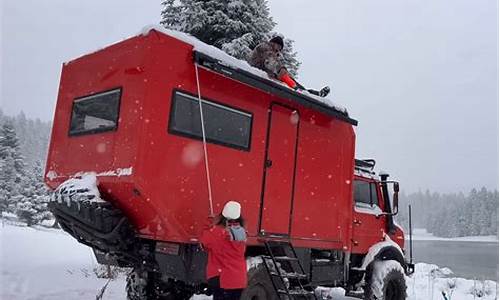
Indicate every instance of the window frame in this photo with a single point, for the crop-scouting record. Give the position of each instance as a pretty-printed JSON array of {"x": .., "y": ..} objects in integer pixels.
[
  {"x": 99, "y": 129},
  {"x": 372, "y": 185},
  {"x": 212, "y": 102}
]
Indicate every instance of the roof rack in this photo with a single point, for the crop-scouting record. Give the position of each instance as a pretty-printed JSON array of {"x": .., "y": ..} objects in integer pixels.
[
  {"x": 364, "y": 165},
  {"x": 269, "y": 86}
]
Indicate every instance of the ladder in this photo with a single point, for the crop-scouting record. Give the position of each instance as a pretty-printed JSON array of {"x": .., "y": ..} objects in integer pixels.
[{"x": 288, "y": 277}]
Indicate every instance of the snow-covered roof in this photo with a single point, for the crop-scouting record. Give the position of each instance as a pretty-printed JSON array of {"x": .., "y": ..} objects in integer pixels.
[
  {"x": 364, "y": 173},
  {"x": 230, "y": 61},
  {"x": 206, "y": 49}
]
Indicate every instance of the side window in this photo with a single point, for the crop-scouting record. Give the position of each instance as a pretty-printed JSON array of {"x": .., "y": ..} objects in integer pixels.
[
  {"x": 223, "y": 125},
  {"x": 362, "y": 192},
  {"x": 374, "y": 194},
  {"x": 95, "y": 113},
  {"x": 365, "y": 192}
]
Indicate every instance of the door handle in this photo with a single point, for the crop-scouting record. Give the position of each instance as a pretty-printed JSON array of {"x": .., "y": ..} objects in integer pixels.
[{"x": 269, "y": 163}]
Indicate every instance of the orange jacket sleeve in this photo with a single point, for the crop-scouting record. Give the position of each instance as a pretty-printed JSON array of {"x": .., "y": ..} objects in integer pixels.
[{"x": 288, "y": 80}]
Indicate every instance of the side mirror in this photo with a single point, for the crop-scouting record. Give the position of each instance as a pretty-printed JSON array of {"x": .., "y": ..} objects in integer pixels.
[{"x": 395, "y": 198}]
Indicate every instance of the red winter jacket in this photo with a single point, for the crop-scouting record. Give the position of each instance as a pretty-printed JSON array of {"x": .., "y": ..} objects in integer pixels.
[{"x": 226, "y": 258}]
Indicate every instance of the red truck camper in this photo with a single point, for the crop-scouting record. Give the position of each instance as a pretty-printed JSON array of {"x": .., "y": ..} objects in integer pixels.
[{"x": 133, "y": 180}]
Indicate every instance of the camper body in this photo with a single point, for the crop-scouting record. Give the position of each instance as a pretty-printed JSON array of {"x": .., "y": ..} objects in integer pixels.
[{"x": 130, "y": 115}]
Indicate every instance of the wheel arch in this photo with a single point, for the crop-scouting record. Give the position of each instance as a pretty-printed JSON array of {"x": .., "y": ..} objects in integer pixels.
[{"x": 386, "y": 250}]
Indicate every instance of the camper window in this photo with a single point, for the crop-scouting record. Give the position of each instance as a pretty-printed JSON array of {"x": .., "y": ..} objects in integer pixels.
[
  {"x": 95, "y": 113},
  {"x": 223, "y": 125}
]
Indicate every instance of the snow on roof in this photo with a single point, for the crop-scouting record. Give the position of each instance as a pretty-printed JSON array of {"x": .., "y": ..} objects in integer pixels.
[
  {"x": 364, "y": 173},
  {"x": 229, "y": 60}
]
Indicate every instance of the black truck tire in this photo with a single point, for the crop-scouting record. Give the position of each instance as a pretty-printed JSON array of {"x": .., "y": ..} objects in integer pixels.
[
  {"x": 144, "y": 285},
  {"x": 259, "y": 285},
  {"x": 96, "y": 223},
  {"x": 138, "y": 286},
  {"x": 385, "y": 280}
]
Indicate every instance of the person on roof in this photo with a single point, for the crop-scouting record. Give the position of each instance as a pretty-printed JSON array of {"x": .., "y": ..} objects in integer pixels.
[
  {"x": 225, "y": 242},
  {"x": 268, "y": 57}
]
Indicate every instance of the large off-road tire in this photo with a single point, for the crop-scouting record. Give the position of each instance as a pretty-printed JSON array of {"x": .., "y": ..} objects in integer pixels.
[
  {"x": 385, "y": 280},
  {"x": 138, "y": 287},
  {"x": 143, "y": 285},
  {"x": 259, "y": 285},
  {"x": 93, "y": 222}
]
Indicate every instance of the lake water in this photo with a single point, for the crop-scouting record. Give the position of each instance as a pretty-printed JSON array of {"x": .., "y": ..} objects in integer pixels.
[{"x": 473, "y": 260}]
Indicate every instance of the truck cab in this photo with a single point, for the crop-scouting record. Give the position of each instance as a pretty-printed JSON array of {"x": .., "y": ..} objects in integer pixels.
[{"x": 373, "y": 208}]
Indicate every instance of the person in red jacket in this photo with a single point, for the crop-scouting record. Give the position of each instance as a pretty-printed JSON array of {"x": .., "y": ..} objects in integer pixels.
[{"x": 225, "y": 243}]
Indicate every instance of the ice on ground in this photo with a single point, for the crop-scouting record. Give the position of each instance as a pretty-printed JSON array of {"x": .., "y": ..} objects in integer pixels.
[{"x": 48, "y": 264}]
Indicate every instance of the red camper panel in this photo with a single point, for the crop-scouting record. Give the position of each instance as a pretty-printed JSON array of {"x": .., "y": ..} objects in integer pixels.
[
  {"x": 164, "y": 190},
  {"x": 322, "y": 205},
  {"x": 98, "y": 117}
]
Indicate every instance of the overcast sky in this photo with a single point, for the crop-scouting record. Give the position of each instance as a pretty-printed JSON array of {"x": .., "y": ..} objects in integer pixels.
[{"x": 420, "y": 76}]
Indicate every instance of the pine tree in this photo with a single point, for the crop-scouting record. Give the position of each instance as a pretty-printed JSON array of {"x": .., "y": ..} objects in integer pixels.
[
  {"x": 482, "y": 213},
  {"x": 32, "y": 208},
  {"x": 33, "y": 137},
  {"x": 4, "y": 191},
  {"x": 493, "y": 199},
  {"x": 455, "y": 215},
  {"x": 9, "y": 183},
  {"x": 235, "y": 26},
  {"x": 9, "y": 146},
  {"x": 12, "y": 168}
]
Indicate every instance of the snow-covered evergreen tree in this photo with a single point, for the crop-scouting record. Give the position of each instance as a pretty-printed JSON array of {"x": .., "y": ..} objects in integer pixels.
[
  {"x": 31, "y": 207},
  {"x": 453, "y": 215},
  {"x": 22, "y": 190},
  {"x": 9, "y": 147},
  {"x": 9, "y": 184},
  {"x": 235, "y": 26},
  {"x": 12, "y": 168},
  {"x": 33, "y": 136}
]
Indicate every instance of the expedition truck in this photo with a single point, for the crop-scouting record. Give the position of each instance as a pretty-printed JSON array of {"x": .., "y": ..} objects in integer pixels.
[{"x": 154, "y": 133}]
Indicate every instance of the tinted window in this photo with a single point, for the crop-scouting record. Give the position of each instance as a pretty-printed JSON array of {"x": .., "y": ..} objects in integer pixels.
[
  {"x": 95, "y": 113},
  {"x": 365, "y": 192},
  {"x": 223, "y": 125},
  {"x": 362, "y": 192},
  {"x": 373, "y": 190}
]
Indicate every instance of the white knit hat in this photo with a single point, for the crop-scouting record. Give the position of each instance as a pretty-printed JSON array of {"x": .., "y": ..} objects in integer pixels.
[{"x": 232, "y": 210}]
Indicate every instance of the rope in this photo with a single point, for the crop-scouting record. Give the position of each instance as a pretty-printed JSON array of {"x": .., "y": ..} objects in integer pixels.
[{"x": 204, "y": 142}]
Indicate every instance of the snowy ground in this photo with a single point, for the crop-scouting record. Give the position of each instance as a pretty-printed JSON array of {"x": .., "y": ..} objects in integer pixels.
[{"x": 47, "y": 264}]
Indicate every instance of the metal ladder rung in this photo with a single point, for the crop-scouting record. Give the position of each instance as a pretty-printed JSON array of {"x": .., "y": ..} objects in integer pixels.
[
  {"x": 295, "y": 292},
  {"x": 290, "y": 275},
  {"x": 297, "y": 274},
  {"x": 282, "y": 258}
]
